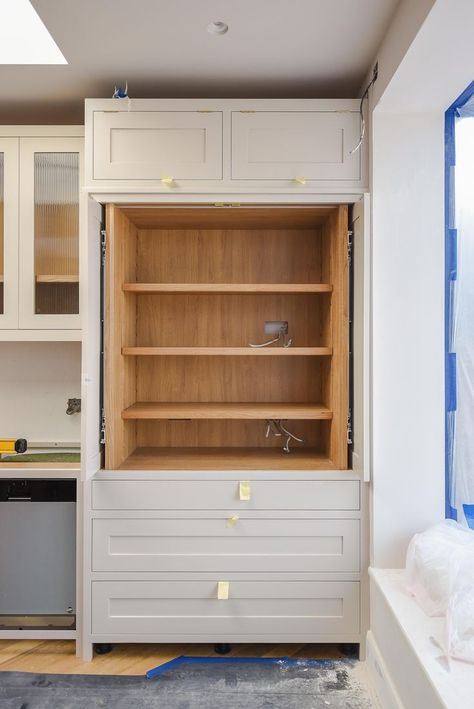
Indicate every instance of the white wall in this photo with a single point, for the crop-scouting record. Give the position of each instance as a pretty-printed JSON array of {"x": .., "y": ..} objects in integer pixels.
[
  {"x": 36, "y": 379},
  {"x": 407, "y": 139},
  {"x": 408, "y": 330}
]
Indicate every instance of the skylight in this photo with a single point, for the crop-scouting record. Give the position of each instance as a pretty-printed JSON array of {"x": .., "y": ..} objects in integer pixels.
[{"x": 23, "y": 37}]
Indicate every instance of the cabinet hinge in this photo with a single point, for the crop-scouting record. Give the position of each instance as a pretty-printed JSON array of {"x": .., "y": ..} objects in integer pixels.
[
  {"x": 350, "y": 234},
  {"x": 349, "y": 428},
  {"x": 103, "y": 245},
  {"x": 102, "y": 426}
]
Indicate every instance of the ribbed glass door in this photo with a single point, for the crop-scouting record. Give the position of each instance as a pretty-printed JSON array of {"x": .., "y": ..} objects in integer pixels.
[
  {"x": 50, "y": 221},
  {"x": 56, "y": 233}
]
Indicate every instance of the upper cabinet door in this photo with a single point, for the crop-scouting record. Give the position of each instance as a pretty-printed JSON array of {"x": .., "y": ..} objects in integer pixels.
[
  {"x": 8, "y": 233},
  {"x": 157, "y": 145},
  {"x": 50, "y": 224},
  {"x": 295, "y": 145}
]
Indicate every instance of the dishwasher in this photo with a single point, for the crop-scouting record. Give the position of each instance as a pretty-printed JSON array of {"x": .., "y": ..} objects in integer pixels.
[{"x": 37, "y": 554}]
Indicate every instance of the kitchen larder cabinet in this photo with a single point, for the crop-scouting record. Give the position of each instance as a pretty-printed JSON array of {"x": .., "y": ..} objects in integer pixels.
[{"x": 229, "y": 505}]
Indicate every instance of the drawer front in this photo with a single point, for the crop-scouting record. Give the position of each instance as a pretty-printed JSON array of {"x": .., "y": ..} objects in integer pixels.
[
  {"x": 274, "y": 145},
  {"x": 225, "y": 494},
  {"x": 151, "y": 145},
  {"x": 253, "y": 607},
  {"x": 211, "y": 545}
]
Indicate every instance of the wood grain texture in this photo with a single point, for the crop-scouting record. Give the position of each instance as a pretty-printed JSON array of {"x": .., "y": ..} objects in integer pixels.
[
  {"x": 222, "y": 458},
  {"x": 120, "y": 327},
  {"x": 50, "y": 278},
  {"x": 59, "y": 656},
  {"x": 228, "y": 433},
  {"x": 221, "y": 288},
  {"x": 213, "y": 410},
  {"x": 184, "y": 216},
  {"x": 187, "y": 292},
  {"x": 231, "y": 320},
  {"x": 229, "y": 351},
  {"x": 337, "y": 394},
  {"x": 238, "y": 255}
]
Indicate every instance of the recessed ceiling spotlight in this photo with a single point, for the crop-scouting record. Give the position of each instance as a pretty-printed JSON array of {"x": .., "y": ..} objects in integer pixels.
[{"x": 217, "y": 27}]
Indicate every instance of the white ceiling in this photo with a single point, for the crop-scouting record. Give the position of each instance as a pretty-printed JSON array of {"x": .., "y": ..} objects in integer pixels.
[{"x": 274, "y": 49}]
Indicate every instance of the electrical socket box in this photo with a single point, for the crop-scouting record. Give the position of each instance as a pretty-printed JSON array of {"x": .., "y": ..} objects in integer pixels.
[{"x": 276, "y": 327}]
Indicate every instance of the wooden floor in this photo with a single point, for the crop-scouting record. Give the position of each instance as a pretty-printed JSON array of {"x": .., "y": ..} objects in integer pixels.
[{"x": 58, "y": 656}]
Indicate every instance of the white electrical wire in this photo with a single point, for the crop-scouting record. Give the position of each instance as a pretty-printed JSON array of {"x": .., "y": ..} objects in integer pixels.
[{"x": 362, "y": 119}]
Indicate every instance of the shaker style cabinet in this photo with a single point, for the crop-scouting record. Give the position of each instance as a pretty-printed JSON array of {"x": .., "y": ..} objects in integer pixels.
[
  {"x": 225, "y": 380},
  {"x": 173, "y": 146},
  {"x": 40, "y": 239}
]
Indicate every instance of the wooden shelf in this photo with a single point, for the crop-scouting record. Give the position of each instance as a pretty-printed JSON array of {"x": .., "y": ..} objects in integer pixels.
[
  {"x": 222, "y": 288},
  {"x": 229, "y": 351},
  {"x": 49, "y": 278},
  {"x": 214, "y": 410},
  {"x": 226, "y": 459}
]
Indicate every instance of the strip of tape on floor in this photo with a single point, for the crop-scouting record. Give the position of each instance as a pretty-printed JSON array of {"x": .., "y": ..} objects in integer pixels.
[{"x": 190, "y": 660}]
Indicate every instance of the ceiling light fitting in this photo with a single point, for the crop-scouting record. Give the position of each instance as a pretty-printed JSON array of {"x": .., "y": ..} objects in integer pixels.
[{"x": 217, "y": 27}]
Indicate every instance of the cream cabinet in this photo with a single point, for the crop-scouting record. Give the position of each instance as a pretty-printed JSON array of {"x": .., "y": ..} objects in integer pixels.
[
  {"x": 42, "y": 214},
  {"x": 147, "y": 146},
  {"x": 295, "y": 145},
  {"x": 161, "y": 146}
]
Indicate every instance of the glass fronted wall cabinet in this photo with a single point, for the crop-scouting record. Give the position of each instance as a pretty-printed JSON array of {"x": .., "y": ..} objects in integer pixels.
[{"x": 40, "y": 247}]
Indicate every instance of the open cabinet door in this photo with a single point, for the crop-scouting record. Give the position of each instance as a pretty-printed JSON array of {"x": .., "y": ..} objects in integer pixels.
[
  {"x": 91, "y": 343},
  {"x": 361, "y": 338}
]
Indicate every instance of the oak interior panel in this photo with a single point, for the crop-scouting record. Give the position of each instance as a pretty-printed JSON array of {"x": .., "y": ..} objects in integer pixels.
[
  {"x": 221, "y": 379},
  {"x": 228, "y": 433},
  {"x": 231, "y": 320},
  {"x": 187, "y": 280},
  {"x": 231, "y": 256}
]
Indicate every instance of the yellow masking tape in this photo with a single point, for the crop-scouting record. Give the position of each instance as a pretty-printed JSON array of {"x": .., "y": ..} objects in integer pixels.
[
  {"x": 232, "y": 521},
  {"x": 300, "y": 180},
  {"x": 167, "y": 180},
  {"x": 222, "y": 590},
  {"x": 244, "y": 490},
  {"x": 7, "y": 445}
]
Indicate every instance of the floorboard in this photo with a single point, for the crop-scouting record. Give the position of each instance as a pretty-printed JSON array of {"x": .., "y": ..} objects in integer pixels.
[{"x": 58, "y": 656}]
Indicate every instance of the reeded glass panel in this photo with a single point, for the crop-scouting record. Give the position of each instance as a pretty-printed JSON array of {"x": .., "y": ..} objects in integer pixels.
[
  {"x": 2, "y": 255},
  {"x": 56, "y": 186}
]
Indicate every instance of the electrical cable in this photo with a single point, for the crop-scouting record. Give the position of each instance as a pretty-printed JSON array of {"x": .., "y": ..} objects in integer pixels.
[{"x": 361, "y": 113}]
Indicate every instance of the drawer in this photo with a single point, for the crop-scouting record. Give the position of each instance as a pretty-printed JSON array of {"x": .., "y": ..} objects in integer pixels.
[
  {"x": 210, "y": 545},
  {"x": 284, "y": 145},
  {"x": 305, "y": 608},
  {"x": 150, "y": 145},
  {"x": 225, "y": 494}
]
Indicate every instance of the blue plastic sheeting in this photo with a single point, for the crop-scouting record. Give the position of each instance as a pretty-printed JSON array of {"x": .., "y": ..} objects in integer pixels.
[
  {"x": 459, "y": 308},
  {"x": 189, "y": 660}
]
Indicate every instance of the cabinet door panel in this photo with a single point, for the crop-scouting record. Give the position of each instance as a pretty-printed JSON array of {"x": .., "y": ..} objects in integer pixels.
[
  {"x": 189, "y": 608},
  {"x": 213, "y": 545},
  {"x": 152, "y": 145},
  {"x": 8, "y": 233},
  {"x": 225, "y": 494},
  {"x": 314, "y": 145},
  {"x": 50, "y": 223}
]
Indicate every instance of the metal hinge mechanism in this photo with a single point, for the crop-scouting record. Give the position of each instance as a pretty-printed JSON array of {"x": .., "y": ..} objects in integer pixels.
[
  {"x": 350, "y": 234},
  {"x": 103, "y": 245},
  {"x": 102, "y": 426},
  {"x": 349, "y": 428}
]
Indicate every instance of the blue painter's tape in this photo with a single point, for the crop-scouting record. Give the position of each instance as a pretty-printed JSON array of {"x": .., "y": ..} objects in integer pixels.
[
  {"x": 469, "y": 515},
  {"x": 451, "y": 399},
  {"x": 277, "y": 661},
  {"x": 452, "y": 254}
]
